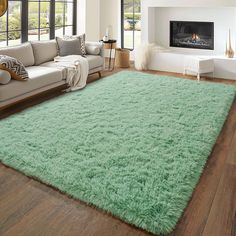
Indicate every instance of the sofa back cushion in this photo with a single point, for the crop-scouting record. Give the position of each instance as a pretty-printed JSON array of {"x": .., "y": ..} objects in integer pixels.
[
  {"x": 23, "y": 53},
  {"x": 44, "y": 51}
]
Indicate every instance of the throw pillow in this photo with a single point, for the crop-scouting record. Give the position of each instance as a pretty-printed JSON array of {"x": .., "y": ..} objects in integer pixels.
[
  {"x": 5, "y": 77},
  {"x": 82, "y": 42},
  {"x": 93, "y": 50},
  {"x": 80, "y": 49},
  {"x": 14, "y": 67},
  {"x": 69, "y": 46}
]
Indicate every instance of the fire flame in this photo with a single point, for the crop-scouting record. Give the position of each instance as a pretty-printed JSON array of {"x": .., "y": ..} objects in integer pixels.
[{"x": 195, "y": 37}]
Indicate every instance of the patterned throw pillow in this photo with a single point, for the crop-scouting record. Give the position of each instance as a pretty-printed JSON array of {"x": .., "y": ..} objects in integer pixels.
[
  {"x": 14, "y": 67},
  {"x": 82, "y": 44}
]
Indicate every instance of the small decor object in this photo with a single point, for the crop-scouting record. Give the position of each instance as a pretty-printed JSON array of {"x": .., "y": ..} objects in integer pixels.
[
  {"x": 105, "y": 38},
  {"x": 229, "y": 50},
  {"x": 122, "y": 59},
  {"x": 14, "y": 67},
  {"x": 108, "y": 35},
  {"x": 3, "y": 7}
]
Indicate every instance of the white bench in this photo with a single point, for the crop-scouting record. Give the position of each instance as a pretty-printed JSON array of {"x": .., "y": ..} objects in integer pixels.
[{"x": 199, "y": 65}]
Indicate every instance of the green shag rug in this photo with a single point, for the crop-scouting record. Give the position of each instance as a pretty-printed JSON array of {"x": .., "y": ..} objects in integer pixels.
[{"x": 132, "y": 144}]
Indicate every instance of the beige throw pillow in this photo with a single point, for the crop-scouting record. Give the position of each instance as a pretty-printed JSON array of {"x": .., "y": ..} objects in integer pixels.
[{"x": 71, "y": 45}]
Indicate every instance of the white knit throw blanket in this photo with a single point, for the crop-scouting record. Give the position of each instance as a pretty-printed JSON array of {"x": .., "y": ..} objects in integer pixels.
[{"x": 77, "y": 71}]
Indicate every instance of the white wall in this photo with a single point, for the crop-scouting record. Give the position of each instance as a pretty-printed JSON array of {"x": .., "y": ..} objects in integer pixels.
[
  {"x": 88, "y": 21},
  {"x": 94, "y": 16},
  {"x": 223, "y": 18},
  {"x": 110, "y": 16}
]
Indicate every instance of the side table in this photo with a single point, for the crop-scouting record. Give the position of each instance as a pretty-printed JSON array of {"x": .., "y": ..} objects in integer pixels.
[
  {"x": 110, "y": 45},
  {"x": 199, "y": 65}
]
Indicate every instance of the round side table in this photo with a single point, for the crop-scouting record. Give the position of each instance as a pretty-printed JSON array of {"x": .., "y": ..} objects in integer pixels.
[{"x": 110, "y": 45}]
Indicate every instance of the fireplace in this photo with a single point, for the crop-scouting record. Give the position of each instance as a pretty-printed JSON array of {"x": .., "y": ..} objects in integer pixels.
[{"x": 192, "y": 34}]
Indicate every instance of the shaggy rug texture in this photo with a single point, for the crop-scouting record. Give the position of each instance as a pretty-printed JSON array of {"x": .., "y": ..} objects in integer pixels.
[{"x": 132, "y": 144}]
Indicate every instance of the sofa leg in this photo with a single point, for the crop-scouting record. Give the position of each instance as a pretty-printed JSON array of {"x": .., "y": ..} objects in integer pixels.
[{"x": 100, "y": 74}]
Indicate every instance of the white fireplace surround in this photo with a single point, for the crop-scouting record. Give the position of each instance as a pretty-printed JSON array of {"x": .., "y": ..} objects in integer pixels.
[{"x": 156, "y": 15}]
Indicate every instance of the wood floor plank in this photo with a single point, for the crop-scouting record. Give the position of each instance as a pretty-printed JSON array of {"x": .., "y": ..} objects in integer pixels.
[
  {"x": 54, "y": 216},
  {"x": 9, "y": 178},
  {"x": 16, "y": 205},
  {"x": 36, "y": 221},
  {"x": 232, "y": 157},
  {"x": 222, "y": 217}
]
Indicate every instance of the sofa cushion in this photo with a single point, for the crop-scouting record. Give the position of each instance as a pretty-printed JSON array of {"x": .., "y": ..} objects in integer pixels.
[
  {"x": 14, "y": 67},
  {"x": 23, "y": 53},
  {"x": 38, "y": 77},
  {"x": 52, "y": 64},
  {"x": 44, "y": 51},
  {"x": 93, "y": 61}
]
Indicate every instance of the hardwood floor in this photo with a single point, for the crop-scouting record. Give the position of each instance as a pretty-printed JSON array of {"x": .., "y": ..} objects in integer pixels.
[{"x": 28, "y": 207}]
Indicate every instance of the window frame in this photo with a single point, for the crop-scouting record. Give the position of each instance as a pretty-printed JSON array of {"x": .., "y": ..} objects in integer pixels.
[
  {"x": 7, "y": 31},
  {"x": 122, "y": 25},
  {"x": 25, "y": 15}
]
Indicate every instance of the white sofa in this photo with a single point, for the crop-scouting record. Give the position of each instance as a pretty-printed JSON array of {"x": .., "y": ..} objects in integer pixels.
[{"x": 44, "y": 75}]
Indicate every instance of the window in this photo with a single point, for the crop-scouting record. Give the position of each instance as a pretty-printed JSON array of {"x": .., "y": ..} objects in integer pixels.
[
  {"x": 37, "y": 20},
  {"x": 10, "y": 24},
  {"x": 64, "y": 17},
  {"x": 131, "y": 23}
]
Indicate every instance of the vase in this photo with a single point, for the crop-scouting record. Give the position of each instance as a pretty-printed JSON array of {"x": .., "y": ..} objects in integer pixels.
[
  {"x": 229, "y": 50},
  {"x": 3, "y": 7}
]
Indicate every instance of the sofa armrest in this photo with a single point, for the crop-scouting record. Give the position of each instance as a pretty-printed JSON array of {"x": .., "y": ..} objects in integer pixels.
[{"x": 95, "y": 44}]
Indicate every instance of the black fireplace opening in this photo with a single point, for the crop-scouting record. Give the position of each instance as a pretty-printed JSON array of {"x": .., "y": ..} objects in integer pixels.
[{"x": 192, "y": 34}]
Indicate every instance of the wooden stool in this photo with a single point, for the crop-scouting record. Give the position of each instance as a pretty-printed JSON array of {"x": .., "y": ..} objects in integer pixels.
[{"x": 199, "y": 65}]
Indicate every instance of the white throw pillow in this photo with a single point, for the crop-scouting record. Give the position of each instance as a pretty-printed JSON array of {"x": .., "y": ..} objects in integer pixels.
[
  {"x": 92, "y": 49},
  {"x": 5, "y": 77}
]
